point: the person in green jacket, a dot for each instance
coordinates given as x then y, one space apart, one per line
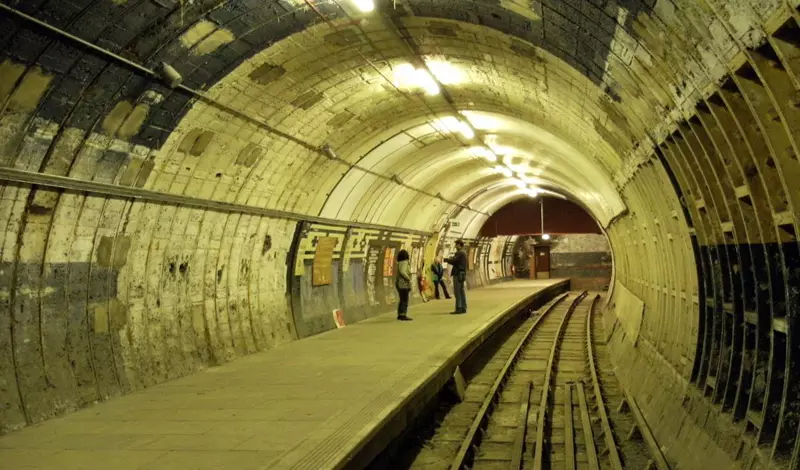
437 276
403 284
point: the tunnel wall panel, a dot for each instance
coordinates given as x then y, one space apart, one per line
732 164
584 258
131 294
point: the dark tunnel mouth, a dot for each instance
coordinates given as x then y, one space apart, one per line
529 231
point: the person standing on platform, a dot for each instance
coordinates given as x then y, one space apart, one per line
459 273
403 284
437 276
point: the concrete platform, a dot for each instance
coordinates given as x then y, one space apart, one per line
317 403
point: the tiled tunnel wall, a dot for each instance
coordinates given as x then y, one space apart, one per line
148 230
584 258
210 287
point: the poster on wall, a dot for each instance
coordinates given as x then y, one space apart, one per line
388 262
322 274
372 269
499 242
471 258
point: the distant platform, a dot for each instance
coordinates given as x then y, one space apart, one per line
317 403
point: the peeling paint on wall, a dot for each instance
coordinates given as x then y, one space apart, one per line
10 72
267 73
125 120
112 252
29 91
196 142
206 37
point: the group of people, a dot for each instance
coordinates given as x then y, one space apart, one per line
459 274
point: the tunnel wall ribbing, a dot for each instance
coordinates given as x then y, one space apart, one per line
716 363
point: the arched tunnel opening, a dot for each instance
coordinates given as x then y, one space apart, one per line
570 244
186 183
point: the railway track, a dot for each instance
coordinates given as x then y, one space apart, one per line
539 403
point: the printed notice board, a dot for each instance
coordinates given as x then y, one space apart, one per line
388 262
323 261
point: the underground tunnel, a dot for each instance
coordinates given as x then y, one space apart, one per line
192 185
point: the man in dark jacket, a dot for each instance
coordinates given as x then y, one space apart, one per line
459 273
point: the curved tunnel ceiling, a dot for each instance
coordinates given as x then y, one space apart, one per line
572 93
663 118
323 75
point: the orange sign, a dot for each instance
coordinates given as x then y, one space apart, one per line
388 262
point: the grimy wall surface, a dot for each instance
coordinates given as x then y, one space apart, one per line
151 228
585 258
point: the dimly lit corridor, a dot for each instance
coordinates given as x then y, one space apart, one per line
194 187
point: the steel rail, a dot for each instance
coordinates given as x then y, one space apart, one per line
569 430
608 436
466 451
586 424
522 427
538 456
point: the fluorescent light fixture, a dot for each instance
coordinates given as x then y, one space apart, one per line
483 152
545 236
407 77
445 72
482 121
505 171
491 142
532 192
453 124
365 6
520 184
403 75
426 82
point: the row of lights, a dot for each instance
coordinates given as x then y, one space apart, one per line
408 77
488 152
365 6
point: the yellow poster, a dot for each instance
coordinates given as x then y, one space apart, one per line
323 261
